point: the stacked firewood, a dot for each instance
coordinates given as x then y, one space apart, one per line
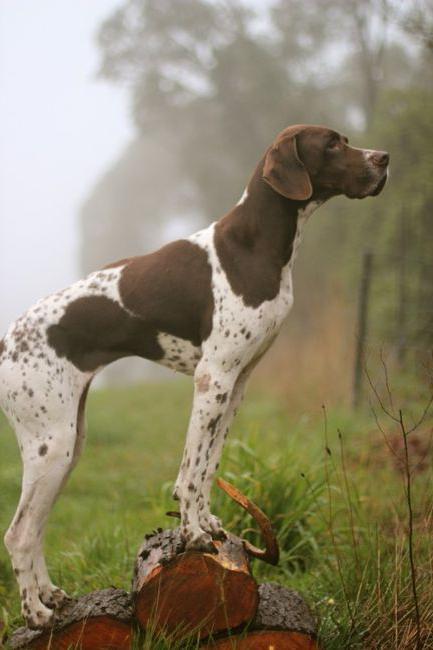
177 595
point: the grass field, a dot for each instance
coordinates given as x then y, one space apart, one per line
334 485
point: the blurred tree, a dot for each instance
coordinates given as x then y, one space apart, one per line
197 69
396 226
130 207
212 81
352 44
418 21
405 125
206 73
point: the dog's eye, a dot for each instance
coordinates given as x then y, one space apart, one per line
334 145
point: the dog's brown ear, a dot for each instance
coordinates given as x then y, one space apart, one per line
285 172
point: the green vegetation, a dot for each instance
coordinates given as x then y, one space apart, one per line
338 501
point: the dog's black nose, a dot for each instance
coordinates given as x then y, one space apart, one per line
381 158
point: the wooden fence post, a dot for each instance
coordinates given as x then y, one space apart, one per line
402 297
362 323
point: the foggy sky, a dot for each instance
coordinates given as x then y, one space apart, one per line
60 128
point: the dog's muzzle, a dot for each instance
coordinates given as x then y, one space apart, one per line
380 160
381 184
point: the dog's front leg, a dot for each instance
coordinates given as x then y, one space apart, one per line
212 391
208 521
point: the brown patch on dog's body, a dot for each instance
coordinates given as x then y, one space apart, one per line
172 289
254 242
167 291
95 330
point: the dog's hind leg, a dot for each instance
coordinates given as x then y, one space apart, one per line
45 469
48 458
50 595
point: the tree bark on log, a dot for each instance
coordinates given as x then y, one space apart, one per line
283 609
100 620
180 593
283 621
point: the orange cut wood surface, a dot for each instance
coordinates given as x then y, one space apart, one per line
266 640
198 591
99 633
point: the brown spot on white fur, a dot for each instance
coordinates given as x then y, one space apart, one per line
42 450
203 383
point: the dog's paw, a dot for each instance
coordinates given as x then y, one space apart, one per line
201 542
216 528
213 526
38 618
53 597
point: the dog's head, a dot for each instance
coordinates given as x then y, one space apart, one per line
314 161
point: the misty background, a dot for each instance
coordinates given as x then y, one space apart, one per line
126 124
60 128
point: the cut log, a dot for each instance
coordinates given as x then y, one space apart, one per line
101 620
283 622
267 640
180 593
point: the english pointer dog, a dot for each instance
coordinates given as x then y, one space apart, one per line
208 306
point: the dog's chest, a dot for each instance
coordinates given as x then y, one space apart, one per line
240 332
